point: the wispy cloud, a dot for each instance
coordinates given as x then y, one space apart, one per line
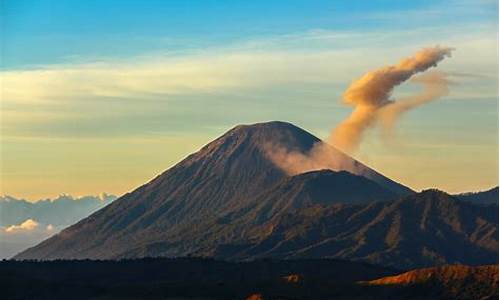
68 92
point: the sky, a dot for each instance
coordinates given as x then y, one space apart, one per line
102 96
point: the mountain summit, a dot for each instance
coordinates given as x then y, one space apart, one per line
230 200
224 177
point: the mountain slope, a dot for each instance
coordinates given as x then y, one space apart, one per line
425 229
308 189
230 201
223 177
222 235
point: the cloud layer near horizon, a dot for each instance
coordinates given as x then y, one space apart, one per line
24 224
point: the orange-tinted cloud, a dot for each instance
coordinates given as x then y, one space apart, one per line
372 92
27 225
435 85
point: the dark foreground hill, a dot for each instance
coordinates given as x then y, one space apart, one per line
183 278
447 282
191 278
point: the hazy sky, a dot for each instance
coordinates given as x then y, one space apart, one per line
101 96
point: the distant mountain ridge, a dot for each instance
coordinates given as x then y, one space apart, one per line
25 223
484 198
62 210
229 200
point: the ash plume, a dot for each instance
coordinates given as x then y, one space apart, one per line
371 98
435 85
321 156
372 92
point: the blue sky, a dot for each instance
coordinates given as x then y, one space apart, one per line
41 32
100 96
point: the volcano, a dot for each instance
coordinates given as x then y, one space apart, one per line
229 200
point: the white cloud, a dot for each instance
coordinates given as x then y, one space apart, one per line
16 238
28 225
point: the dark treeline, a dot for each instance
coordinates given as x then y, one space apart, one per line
162 278
196 278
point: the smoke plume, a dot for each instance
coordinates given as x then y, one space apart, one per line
371 94
321 156
371 98
435 85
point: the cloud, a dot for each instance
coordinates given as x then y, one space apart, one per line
42 218
162 78
157 92
167 77
305 57
28 225
16 238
